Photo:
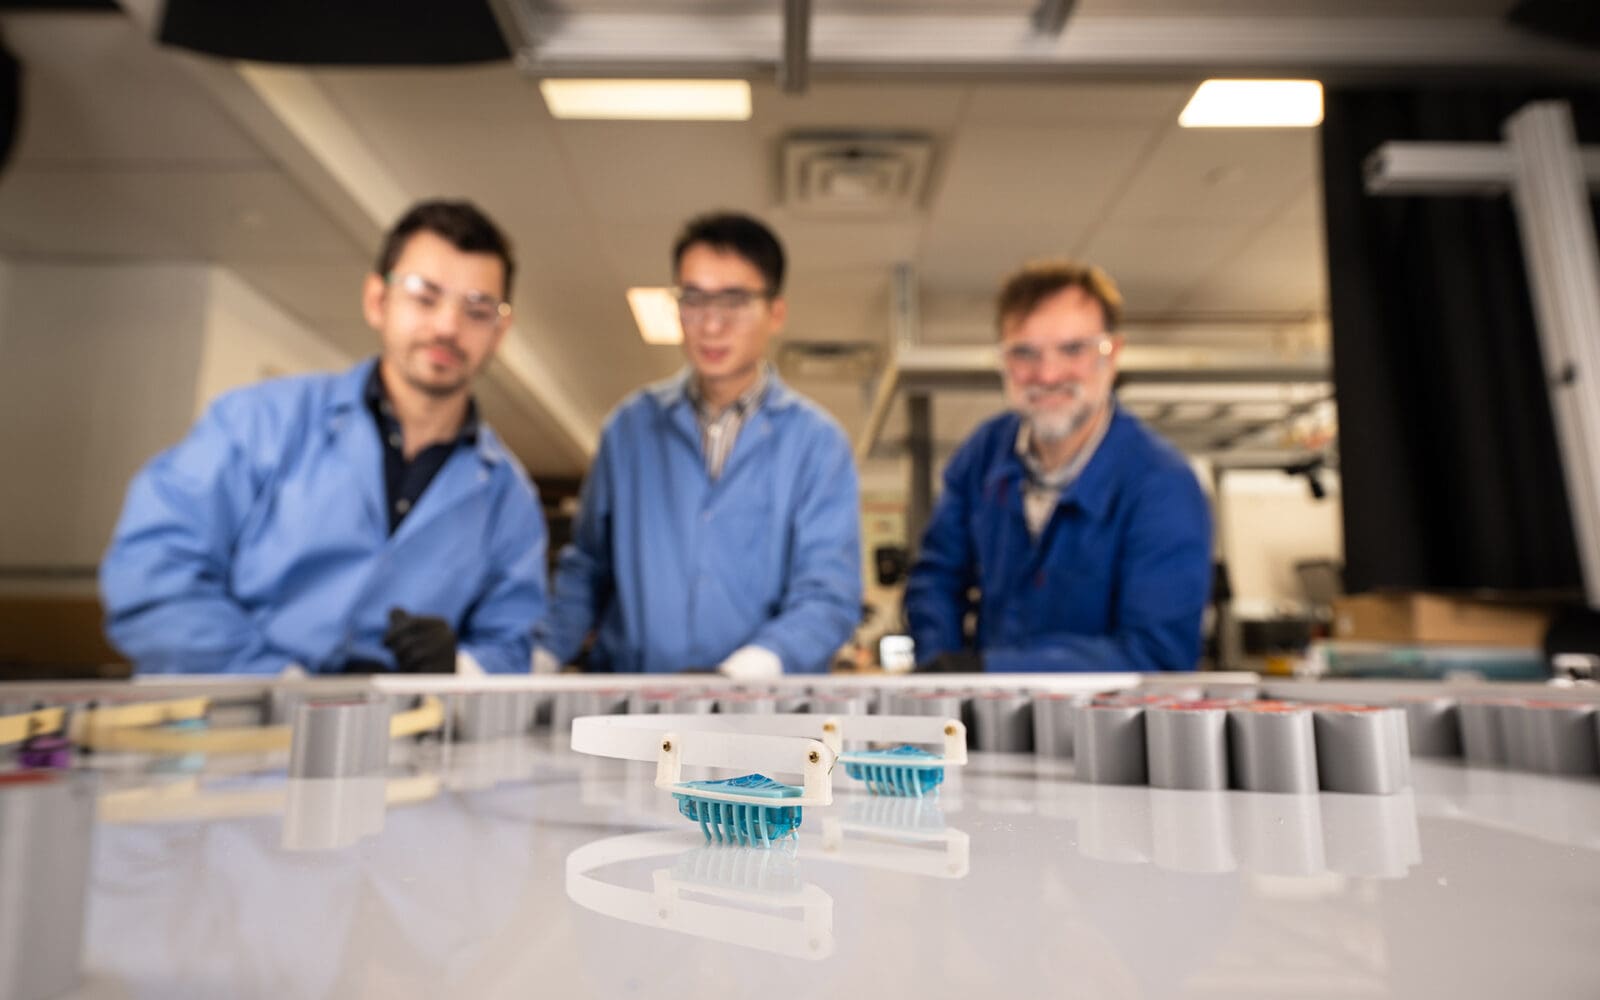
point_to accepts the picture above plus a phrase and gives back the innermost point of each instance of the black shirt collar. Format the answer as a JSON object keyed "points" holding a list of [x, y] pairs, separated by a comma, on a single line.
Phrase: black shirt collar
{"points": [[376, 397]]}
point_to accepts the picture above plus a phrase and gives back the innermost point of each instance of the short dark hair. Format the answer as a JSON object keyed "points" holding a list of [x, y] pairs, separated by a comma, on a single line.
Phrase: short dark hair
{"points": [[732, 232], [1040, 279], [460, 223]]}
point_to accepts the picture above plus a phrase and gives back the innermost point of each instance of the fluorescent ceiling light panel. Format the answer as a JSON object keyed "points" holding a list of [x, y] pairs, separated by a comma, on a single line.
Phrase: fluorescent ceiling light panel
{"points": [[656, 313], [1254, 104], [668, 100]]}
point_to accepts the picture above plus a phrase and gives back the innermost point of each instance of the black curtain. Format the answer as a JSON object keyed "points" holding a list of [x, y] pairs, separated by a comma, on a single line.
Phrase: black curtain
{"points": [[10, 103], [1450, 469]]}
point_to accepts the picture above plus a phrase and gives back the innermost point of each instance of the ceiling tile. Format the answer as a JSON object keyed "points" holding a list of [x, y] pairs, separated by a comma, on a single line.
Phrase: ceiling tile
{"points": [[1219, 175], [1055, 178], [1153, 266], [477, 132], [635, 171], [1282, 269]]}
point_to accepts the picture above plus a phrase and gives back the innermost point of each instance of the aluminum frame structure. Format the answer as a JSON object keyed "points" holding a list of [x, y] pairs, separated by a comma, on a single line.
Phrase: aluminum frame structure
{"points": [[1549, 178]]}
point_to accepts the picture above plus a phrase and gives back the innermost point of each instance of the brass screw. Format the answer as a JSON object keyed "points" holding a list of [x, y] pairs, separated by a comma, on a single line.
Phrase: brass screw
{"points": [[666, 745], [829, 727], [813, 757], [949, 730]]}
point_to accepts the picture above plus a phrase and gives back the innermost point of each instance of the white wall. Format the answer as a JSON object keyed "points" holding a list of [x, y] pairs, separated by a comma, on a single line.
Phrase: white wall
{"points": [[101, 367], [1267, 523], [5, 298], [96, 374], [247, 338]]}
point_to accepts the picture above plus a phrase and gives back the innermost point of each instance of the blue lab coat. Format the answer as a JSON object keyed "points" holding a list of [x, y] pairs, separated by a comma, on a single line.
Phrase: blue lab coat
{"points": [[263, 539], [1117, 580], [676, 570]]}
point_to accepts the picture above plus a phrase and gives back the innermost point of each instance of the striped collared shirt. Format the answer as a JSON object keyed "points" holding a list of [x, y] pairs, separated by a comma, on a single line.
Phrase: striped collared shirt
{"points": [[718, 431], [1043, 489]]}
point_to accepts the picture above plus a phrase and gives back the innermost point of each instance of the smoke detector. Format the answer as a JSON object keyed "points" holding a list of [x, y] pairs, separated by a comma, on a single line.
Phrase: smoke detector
{"points": [[855, 173]]}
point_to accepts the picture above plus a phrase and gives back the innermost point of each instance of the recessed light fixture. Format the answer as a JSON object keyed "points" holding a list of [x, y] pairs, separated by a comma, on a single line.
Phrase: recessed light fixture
{"points": [[656, 313], [1254, 104], [669, 100]]}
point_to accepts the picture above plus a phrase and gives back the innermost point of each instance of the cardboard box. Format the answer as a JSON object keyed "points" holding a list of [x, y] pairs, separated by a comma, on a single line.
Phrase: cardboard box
{"points": [[1410, 616]]}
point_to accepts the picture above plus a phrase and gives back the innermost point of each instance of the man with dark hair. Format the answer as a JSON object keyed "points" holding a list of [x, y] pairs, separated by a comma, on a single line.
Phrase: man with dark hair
{"points": [[1087, 537], [355, 522], [719, 526]]}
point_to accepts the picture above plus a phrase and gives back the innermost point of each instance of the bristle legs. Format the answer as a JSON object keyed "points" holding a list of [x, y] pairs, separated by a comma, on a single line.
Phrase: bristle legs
{"points": [[740, 822], [894, 779]]}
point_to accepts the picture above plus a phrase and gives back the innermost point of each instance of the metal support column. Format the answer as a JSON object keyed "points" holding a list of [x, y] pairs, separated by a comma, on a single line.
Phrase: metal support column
{"points": [[1556, 219], [919, 443], [794, 66]]}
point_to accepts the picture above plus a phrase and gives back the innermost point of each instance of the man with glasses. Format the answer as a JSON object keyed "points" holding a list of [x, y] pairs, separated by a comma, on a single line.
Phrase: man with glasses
{"points": [[718, 527], [356, 522], [1087, 537]]}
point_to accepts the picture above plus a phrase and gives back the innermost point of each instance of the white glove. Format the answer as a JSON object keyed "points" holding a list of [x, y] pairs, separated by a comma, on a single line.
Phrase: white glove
{"points": [[292, 672], [467, 665], [545, 662], [751, 663]]}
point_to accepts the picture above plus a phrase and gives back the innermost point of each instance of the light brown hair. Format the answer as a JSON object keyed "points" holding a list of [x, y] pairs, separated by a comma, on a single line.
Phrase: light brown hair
{"points": [[1038, 280]]}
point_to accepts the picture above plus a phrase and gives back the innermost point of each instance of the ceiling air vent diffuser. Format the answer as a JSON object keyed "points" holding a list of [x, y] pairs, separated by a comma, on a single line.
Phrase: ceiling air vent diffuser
{"points": [[855, 174]]}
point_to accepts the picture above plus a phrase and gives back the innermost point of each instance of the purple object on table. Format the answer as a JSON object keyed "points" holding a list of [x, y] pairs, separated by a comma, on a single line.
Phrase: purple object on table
{"points": [[46, 752]]}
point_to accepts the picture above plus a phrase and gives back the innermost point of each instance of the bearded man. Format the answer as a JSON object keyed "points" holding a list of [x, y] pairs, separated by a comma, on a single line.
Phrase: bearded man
{"points": [[1081, 539]]}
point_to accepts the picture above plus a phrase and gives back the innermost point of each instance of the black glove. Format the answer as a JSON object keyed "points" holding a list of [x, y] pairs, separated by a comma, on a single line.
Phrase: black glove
{"points": [[421, 644], [965, 661]]}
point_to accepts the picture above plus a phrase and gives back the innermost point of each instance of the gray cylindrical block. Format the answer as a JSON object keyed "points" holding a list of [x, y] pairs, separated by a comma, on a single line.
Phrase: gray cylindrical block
{"points": [[480, 717], [792, 702], [1273, 748], [1554, 737], [1483, 738], [575, 704], [343, 738], [939, 705], [832, 704], [1433, 727], [1187, 746], [1053, 715], [747, 704], [649, 701], [524, 711], [1362, 750], [697, 703], [1108, 744], [906, 702], [1003, 722], [563, 709]]}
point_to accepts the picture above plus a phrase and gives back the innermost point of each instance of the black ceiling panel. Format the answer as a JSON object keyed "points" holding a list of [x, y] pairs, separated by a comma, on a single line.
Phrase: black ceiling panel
{"points": [[337, 32]]}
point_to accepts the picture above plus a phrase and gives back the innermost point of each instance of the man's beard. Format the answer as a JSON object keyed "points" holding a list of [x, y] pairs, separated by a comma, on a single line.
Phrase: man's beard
{"points": [[439, 390], [1052, 425], [1059, 425]]}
